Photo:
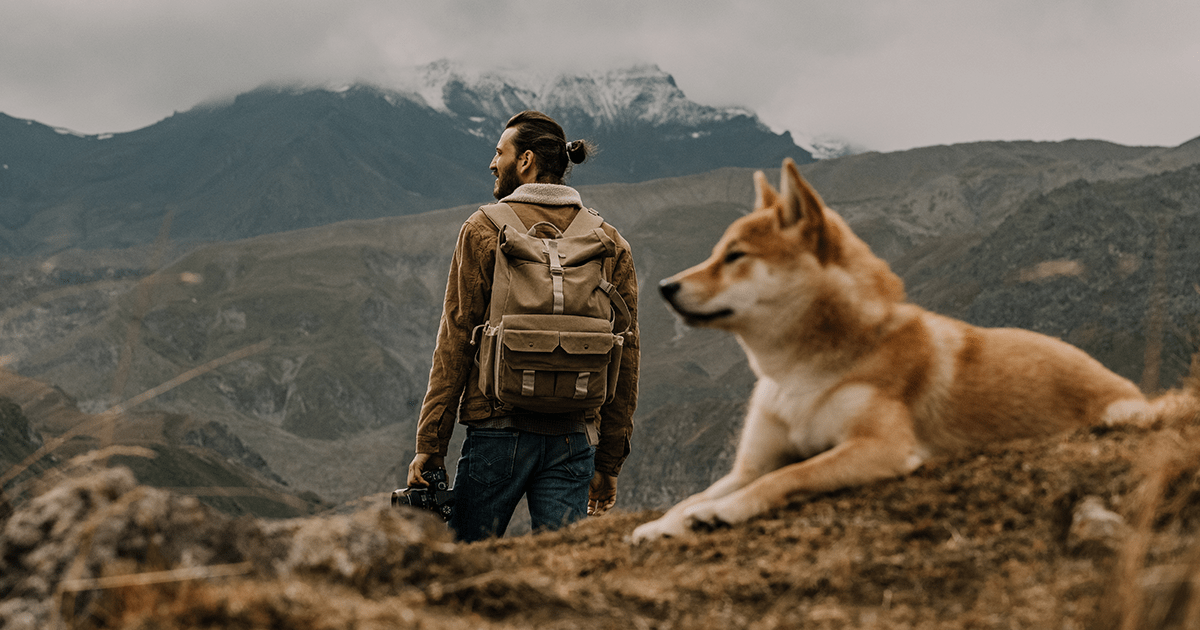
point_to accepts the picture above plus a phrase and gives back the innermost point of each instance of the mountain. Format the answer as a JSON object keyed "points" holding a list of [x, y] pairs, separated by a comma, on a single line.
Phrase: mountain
{"points": [[286, 158], [163, 450], [1114, 269], [18, 440], [1074, 239], [644, 124]]}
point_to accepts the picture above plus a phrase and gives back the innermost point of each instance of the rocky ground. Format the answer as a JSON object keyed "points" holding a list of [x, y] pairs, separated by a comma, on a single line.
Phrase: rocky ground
{"points": [[1093, 530]]}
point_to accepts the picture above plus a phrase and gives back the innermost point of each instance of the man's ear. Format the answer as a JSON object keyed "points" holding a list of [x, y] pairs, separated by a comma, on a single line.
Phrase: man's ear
{"points": [[527, 166]]}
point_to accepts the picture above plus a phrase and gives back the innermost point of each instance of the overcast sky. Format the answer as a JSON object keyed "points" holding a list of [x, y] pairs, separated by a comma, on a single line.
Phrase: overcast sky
{"points": [[884, 74]]}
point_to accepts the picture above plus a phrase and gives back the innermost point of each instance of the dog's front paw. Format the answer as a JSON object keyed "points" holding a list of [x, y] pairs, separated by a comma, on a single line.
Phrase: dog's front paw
{"points": [[714, 514], [665, 527]]}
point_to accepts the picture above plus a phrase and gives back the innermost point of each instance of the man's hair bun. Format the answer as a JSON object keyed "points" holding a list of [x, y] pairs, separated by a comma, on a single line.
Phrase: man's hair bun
{"points": [[577, 151]]}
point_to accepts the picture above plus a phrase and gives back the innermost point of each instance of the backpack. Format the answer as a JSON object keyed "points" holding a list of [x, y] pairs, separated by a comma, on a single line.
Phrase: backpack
{"points": [[548, 344]]}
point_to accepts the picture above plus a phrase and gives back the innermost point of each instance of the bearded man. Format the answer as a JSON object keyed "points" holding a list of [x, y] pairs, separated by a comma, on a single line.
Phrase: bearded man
{"points": [[564, 464]]}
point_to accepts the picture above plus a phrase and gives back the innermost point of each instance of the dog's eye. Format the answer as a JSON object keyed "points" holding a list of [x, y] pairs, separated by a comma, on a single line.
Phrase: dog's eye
{"points": [[731, 256]]}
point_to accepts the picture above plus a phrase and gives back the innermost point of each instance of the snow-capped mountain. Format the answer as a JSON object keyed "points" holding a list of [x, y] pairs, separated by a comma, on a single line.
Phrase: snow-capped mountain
{"points": [[278, 159], [642, 94]]}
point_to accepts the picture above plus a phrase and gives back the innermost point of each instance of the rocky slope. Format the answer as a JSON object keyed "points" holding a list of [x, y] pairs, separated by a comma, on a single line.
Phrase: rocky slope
{"points": [[18, 440], [1115, 269], [45, 437]]}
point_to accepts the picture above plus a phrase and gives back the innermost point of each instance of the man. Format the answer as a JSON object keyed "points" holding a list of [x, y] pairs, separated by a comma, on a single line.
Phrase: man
{"points": [[565, 464]]}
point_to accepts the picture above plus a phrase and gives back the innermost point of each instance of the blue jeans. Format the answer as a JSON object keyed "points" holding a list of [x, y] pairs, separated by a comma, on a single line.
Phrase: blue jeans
{"points": [[498, 466]]}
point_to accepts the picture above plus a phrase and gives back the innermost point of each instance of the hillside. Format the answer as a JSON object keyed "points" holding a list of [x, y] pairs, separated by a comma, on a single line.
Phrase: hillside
{"points": [[164, 450], [1115, 270], [1091, 530], [18, 440], [341, 318]]}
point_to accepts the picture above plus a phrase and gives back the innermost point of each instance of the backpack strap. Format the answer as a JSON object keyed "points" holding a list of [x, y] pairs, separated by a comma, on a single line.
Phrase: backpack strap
{"points": [[614, 297], [585, 221], [588, 220], [502, 214]]}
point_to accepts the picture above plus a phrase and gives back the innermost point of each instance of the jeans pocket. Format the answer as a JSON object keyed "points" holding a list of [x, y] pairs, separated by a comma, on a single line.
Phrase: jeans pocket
{"points": [[491, 456], [581, 463]]}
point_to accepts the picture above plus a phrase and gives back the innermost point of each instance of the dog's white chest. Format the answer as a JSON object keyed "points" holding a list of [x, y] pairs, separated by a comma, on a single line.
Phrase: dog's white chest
{"points": [[815, 420]]}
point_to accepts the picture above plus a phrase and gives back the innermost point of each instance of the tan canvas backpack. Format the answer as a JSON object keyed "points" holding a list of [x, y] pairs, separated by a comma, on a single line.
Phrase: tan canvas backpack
{"points": [[549, 343]]}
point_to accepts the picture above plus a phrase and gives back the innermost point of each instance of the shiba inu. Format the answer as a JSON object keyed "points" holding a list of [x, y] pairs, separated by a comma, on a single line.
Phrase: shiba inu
{"points": [[854, 384]]}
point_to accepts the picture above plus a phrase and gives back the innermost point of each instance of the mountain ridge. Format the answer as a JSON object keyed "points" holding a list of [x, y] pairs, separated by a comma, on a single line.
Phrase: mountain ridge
{"points": [[280, 158]]}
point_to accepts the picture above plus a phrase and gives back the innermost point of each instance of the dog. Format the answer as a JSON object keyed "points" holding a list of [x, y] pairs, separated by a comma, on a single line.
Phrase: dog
{"points": [[854, 384]]}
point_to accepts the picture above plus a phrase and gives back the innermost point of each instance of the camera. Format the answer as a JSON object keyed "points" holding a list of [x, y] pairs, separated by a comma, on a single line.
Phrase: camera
{"points": [[437, 497]]}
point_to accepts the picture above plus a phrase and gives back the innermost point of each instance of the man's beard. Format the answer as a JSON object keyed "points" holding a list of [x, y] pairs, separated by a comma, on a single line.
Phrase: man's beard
{"points": [[506, 183]]}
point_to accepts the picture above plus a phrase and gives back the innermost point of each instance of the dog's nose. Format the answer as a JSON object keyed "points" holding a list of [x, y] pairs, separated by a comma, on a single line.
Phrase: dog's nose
{"points": [[668, 289]]}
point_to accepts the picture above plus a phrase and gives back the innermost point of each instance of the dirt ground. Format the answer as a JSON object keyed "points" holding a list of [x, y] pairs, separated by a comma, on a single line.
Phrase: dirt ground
{"points": [[1097, 529]]}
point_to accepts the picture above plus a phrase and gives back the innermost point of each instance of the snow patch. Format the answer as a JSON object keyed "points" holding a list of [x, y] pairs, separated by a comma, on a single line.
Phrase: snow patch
{"points": [[642, 93], [827, 147]]}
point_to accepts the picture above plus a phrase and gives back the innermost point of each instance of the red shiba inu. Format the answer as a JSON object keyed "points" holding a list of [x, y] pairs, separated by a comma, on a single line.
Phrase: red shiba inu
{"points": [[854, 384]]}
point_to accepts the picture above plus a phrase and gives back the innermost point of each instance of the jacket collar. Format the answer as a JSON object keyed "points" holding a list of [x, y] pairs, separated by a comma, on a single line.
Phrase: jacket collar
{"points": [[545, 195]]}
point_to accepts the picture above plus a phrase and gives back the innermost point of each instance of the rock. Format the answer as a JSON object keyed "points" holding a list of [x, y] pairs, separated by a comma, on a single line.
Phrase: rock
{"points": [[1095, 528], [103, 525]]}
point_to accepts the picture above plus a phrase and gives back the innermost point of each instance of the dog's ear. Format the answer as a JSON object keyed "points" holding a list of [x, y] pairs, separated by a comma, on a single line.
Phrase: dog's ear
{"points": [[764, 194], [800, 201], [801, 204]]}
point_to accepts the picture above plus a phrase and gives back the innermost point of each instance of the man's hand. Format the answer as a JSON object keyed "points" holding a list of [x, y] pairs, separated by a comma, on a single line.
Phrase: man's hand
{"points": [[422, 462], [602, 494]]}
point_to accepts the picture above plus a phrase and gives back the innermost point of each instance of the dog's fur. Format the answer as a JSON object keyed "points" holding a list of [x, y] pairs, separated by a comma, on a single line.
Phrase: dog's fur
{"points": [[855, 384]]}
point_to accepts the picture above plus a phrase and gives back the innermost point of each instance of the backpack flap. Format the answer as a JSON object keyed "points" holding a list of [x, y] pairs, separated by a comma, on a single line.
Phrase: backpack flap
{"points": [[526, 281], [595, 344], [572, 250], [532, 341], [586, 342]]}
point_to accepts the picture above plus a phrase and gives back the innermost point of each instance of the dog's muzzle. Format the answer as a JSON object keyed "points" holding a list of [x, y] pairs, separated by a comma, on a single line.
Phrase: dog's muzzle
{"points": [[670, 290]]}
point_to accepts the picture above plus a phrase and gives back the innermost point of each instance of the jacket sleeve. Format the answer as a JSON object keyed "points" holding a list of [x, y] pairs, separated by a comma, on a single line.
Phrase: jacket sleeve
{"points": [[616, 418], [463, 309]]}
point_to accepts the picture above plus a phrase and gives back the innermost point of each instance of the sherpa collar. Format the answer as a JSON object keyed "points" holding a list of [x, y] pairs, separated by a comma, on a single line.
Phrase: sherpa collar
{"points": [[545, 195]]}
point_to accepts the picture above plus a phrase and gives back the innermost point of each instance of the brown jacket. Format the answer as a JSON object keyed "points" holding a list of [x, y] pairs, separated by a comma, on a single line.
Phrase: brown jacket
{"points": [[454, 378]]}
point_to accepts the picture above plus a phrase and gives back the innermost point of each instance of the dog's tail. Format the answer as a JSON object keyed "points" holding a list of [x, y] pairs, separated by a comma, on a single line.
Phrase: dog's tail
{"points": [[1180, 406], [1174, 408]]}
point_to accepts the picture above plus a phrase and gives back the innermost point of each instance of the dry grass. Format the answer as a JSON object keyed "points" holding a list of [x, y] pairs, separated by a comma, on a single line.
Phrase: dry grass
{"points": [[1158, 573]]}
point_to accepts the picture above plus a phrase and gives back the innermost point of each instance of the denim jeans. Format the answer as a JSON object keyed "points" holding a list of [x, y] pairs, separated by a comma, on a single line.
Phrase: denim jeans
{"points": [[498, 466]]}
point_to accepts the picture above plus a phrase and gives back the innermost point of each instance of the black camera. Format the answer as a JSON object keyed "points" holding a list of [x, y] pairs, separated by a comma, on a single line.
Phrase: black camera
{"points": [[438, 497]]}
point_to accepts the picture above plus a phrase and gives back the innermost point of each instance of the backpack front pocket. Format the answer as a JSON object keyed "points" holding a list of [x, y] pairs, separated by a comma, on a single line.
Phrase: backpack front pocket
{"points": [[552, 370]]}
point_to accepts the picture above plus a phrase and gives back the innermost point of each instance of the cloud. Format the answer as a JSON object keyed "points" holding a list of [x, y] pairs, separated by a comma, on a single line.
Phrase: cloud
{"points": [[885, 74]]}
